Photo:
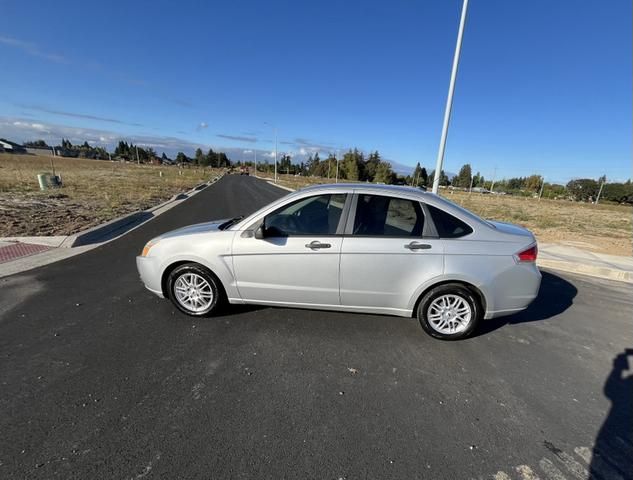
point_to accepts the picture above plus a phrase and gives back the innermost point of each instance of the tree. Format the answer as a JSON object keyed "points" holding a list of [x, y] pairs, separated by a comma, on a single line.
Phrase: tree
{"points": [[371, 166], [583, 189], [478, 180], [384, 174], [618, 192], [463, 178], [199, 156], [424, 177], [533, 183], [443, 179], [349, 167], [36, 144], [181, 158]]}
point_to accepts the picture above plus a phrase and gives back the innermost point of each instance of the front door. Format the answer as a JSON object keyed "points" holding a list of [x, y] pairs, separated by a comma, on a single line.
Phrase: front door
{"points": [[297, 261]]}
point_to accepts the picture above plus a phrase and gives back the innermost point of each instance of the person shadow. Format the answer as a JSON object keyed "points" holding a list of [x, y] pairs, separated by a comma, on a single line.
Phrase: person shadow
{"points": [[613, 450], [554, 297]]}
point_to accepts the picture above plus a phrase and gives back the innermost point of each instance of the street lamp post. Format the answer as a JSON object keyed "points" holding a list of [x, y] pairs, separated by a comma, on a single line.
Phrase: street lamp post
{"points": [[449, 100], [275, 130]]}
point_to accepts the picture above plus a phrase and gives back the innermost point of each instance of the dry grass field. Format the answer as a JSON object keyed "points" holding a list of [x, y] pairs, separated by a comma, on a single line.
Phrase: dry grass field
{"points": [[93, 191], [599, 228]]}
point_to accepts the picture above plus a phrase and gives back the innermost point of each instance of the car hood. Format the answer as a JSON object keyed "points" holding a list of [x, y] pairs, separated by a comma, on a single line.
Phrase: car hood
{"points": [[511, 228], [194, 229]]}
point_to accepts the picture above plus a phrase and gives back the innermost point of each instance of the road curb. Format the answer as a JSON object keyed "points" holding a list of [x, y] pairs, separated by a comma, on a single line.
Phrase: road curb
{"points": [[281, 186], [588, 270]]}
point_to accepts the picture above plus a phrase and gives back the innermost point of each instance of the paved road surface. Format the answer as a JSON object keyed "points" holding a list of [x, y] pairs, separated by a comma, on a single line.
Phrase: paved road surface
{"points": [[100, 379]]}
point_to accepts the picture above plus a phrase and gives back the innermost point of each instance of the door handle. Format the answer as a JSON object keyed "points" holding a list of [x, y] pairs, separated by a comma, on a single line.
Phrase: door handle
{"points": [[315, 245], [417, 246]]}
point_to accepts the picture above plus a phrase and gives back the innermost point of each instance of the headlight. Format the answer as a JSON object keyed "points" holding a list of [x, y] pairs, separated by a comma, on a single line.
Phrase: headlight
{"points": [[147, 247]]}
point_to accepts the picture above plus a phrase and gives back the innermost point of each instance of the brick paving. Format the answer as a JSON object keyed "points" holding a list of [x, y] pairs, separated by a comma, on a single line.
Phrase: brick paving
{"points": [[19, 250]]}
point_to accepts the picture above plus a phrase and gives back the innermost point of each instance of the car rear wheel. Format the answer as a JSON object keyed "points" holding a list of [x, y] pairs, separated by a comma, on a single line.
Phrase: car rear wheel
{"points": [[194, 290], [449, 312]]}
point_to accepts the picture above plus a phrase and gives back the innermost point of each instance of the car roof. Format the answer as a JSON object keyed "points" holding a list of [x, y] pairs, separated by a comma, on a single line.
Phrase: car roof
{"points": [[393, 189]]}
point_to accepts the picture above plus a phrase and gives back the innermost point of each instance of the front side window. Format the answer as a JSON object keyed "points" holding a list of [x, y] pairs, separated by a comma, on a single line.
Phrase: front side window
{"points": [[378, 215], [318, 215]]}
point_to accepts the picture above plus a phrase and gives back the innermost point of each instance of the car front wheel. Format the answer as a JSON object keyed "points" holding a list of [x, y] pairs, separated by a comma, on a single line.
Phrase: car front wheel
{"points": [[449, 312], [194, 290]]}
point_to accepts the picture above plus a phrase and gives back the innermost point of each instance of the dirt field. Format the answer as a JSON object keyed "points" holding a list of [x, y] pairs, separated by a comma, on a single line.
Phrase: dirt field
{"points": [[599, 228], [93, 192]]}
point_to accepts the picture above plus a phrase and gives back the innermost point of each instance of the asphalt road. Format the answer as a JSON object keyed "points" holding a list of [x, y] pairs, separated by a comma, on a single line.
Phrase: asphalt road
{"points": [[100, 379]]}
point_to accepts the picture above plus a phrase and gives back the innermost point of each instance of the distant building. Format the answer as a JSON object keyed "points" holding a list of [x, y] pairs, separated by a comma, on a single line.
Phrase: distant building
{"points": [[11, 147], [45, 151]]}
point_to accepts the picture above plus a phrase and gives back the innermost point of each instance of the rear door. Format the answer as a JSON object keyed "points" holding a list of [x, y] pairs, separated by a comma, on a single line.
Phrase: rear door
{"points": [[389, 250]]}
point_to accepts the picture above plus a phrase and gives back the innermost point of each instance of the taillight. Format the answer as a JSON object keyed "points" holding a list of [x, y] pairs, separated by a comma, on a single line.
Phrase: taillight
{"points": [[528, 255]]}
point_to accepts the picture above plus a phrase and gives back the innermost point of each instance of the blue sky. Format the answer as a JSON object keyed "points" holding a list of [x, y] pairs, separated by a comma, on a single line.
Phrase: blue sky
{"points": [[543, 87]]}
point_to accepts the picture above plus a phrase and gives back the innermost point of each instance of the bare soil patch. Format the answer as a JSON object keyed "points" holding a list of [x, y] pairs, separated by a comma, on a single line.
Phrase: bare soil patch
{"points": [[93, 192]]}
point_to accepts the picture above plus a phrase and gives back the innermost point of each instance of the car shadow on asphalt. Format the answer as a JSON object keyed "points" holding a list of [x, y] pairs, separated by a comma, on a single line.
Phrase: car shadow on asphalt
{"points": [[554, 297], [613, 450]]}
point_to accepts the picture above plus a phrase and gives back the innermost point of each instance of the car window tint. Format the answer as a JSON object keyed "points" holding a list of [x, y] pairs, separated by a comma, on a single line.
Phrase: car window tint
{"points": [[447, 225], [378, 215], [318, 215]]}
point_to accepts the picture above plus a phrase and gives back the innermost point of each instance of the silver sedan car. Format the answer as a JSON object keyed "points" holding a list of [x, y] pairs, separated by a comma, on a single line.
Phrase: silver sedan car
{"points": [[354, 248]]}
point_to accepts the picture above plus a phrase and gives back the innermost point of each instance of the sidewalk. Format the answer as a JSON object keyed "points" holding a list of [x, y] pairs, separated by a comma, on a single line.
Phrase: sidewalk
{"points": [[575, 260]]}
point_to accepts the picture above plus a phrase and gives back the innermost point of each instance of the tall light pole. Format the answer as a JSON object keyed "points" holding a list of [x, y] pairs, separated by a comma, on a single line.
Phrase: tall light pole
{"points": [[275, 130], [338, 154], [600, 191], [255, 152], [449, 100]]}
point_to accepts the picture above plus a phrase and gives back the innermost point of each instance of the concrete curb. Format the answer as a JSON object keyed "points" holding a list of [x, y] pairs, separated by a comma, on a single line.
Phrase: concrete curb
{"points": [[589, 270], [50, 241], [281, 186]]}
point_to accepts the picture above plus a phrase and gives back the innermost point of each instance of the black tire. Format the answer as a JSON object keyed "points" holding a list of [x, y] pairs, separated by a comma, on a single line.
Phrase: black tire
{"points": [[214, 284], [458, 290]]}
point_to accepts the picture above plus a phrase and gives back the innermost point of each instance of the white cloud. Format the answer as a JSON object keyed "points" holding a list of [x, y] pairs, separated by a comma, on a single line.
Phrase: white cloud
{"points": [[32, 49], [203, 125], [247, 151]]}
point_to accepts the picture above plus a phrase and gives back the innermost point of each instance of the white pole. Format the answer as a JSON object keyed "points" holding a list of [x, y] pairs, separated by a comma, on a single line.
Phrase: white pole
{"points": [[472, 179], [275, 154], [449, 100], [540, 194], [599, 193], [494, 176], [337, 155], [137, 159]]}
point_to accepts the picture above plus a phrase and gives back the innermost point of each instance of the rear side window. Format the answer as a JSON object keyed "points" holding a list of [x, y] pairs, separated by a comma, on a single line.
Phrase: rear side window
{"points": [[447, 225], [378, 215]]}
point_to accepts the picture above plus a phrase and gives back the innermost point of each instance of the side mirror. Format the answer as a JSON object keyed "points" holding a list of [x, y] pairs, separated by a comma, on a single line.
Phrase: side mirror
{"points": [[260, 233]]}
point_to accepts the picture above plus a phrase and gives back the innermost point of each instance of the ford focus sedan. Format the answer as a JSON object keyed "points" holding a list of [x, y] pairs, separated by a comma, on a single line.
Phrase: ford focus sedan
{"points": [[354, 248]]}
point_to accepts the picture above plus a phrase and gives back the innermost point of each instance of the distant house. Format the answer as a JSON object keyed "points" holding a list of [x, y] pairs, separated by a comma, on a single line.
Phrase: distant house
{"points": [[11, 147], [44, 151]]}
